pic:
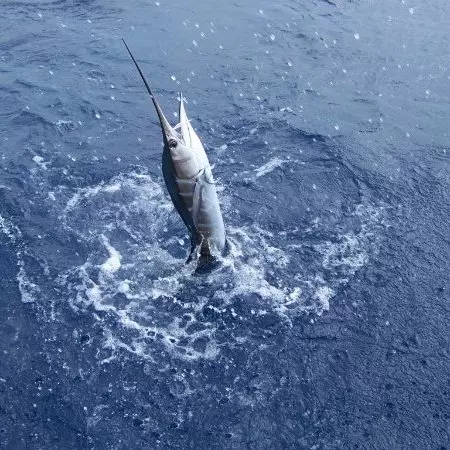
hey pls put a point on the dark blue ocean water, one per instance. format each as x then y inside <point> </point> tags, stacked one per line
<point>326,327</point>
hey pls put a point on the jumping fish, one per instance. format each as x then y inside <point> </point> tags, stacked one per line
<point>189,180</point>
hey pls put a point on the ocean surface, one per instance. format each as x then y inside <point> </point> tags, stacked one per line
<point>326,326</point>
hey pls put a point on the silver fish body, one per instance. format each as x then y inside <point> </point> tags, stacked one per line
<point>189,180</point>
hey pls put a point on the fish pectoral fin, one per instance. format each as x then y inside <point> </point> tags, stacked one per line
<point>197,197</point>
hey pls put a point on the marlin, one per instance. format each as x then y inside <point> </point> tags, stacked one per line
<point>190,183</point>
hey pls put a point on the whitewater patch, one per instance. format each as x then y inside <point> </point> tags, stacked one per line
<point>270,166</point>
<point>151,304</point>
<point>28,289</point>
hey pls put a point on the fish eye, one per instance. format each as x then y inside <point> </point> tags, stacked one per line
<point>173,143</point>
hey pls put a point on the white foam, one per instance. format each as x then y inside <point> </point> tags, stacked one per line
<point>39,160</point>
<point>156,304</point>
<point>324,294</point>
<point>9,229</point>
<point>270,166</point>
<point>28,290</point>
<point>112,264</point>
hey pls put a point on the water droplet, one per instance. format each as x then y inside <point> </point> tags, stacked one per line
<point>173,77</point>
<point>356,35</point>
<point>272,37</point>
<point>411,10</point>
<point>195,43</point>
<point>336,127</point>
